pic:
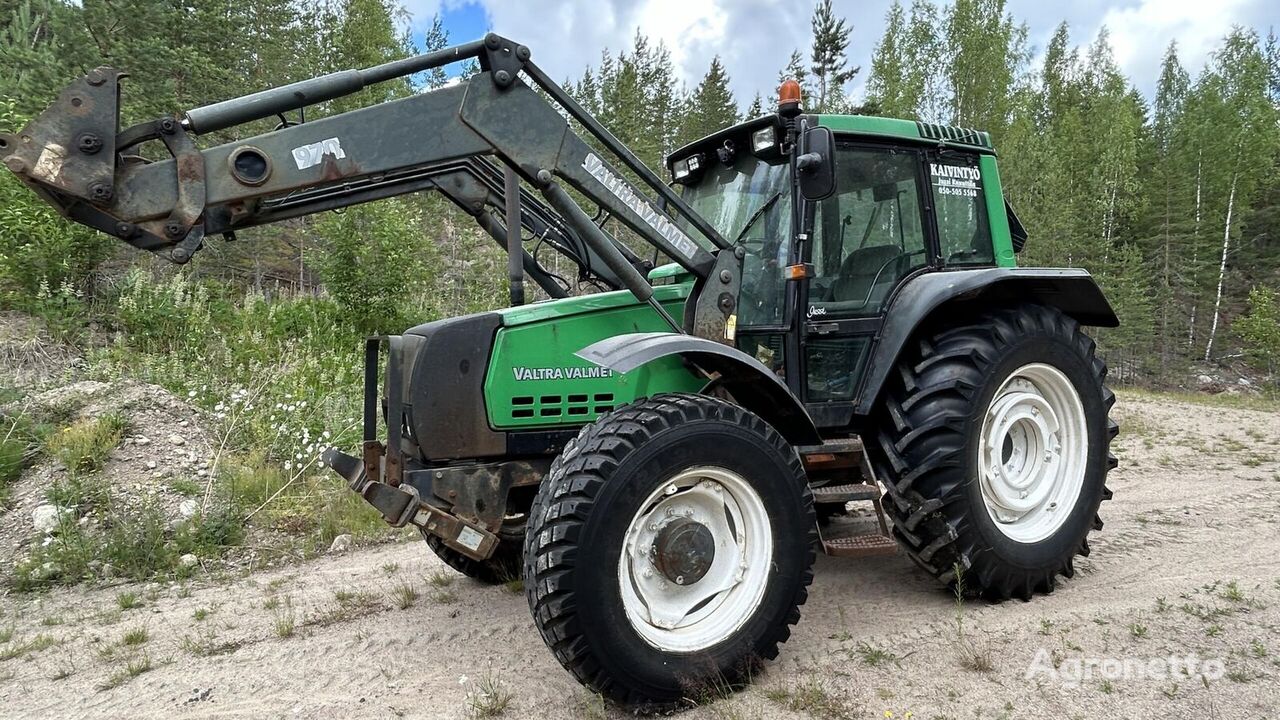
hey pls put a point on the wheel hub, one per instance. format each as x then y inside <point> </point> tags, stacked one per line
<point>695,560</point>
<point>1032,452</point>
<point>684,551</point>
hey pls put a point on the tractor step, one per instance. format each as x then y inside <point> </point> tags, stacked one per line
<point>850,492</point>
<point>862,545</point>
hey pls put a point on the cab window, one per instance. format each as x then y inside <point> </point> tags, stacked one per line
<point>869,234</point>
<point>964,235</point>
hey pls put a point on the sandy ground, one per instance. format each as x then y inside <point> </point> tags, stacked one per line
<point>1189,563</point>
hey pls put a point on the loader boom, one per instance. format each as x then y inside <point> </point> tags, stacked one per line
<point>462,140</point>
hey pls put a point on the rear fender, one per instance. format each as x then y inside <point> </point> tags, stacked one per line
<point>750,382</point>
<point>1072,290</point>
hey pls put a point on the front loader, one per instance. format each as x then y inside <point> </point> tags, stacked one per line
<point>842,320</point>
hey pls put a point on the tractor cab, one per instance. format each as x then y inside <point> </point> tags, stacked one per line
<point>820,272</point>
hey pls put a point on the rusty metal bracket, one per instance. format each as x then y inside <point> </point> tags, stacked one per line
<point>180,227</point>
<point>717,299</point>
<point>478,493</point>
<point>468,539</point>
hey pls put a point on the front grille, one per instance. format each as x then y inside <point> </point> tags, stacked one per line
<point>561,408</point>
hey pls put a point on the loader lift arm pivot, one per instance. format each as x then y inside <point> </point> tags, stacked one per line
<point>455,139</point>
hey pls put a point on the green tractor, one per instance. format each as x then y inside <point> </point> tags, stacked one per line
<point>839,319</point>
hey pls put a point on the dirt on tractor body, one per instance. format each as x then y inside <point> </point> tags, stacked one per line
<point>1187,570</point>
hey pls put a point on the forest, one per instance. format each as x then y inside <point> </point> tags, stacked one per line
<point>1170,200</point>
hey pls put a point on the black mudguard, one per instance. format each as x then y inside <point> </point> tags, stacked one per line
<point>750,382</point>
<point>1071,290</point>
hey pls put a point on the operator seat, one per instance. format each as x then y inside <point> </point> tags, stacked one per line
<point>867,275</point>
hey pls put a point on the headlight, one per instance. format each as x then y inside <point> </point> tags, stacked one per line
<point>683,169</point>
<point>763,139</point>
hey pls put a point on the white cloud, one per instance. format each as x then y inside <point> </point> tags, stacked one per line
<point>1140,33</point>
<point>752,37</point>
<point>755,37</point>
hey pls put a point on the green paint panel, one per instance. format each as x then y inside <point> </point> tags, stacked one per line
<point>535,380</point>
<point>909,130</point>
<point>868,125</point>
<point>573,306</point>
<point>1001,240</point>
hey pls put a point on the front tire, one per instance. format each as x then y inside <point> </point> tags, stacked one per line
<point>993,444</point>
<point>618,574</point>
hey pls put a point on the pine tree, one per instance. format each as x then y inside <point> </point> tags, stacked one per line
<point>830,58</point>
<point>795,69</point>
<point>1166,198</point>
<point>711,106</point>
<point>756,109</point>
<point>437,38</point>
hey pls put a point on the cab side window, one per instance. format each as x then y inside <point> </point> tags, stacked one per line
<point>964,234</point>
<point>869,234</point>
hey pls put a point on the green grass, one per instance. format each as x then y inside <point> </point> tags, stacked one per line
<point>812,698</point>
<point>874,656</point>
<point>136,636</point>
<point>84,445</point>
<point>405,595</point>
<point>1224,400</point>
<point>20,649</point>
<point>128,600</point>
<point>133,667</point>
<point>441,579</point>
<point>488,697</point>
<point>284,622</point>
<point>139,543</point>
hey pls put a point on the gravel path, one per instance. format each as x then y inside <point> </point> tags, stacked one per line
<point>1189,562</point>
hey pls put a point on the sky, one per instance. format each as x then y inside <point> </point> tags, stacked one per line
<point>754,38</point>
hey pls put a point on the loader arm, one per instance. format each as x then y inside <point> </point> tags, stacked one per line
<point>460,140</point>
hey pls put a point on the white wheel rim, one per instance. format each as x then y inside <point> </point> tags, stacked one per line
<point>673,614</point>
<point>1032,453</point>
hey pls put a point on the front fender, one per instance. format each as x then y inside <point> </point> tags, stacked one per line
<point>750,382</point>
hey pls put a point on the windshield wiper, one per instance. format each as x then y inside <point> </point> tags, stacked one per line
<point>756,216</point>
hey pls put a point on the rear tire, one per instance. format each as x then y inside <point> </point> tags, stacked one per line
<point>599,583</point>
<point>992,442</point>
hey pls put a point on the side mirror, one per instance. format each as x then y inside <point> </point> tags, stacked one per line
<point>817,166</point>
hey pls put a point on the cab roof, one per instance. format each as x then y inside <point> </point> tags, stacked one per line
<point>912,131</point>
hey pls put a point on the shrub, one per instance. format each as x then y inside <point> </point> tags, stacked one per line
<point>1260,328</point>
<point>84,445</point>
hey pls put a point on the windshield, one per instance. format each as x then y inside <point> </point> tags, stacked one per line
<point>729,195</point>
<point>749,202</point>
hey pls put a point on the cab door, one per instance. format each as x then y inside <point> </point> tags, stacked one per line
<point>868,237</point>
